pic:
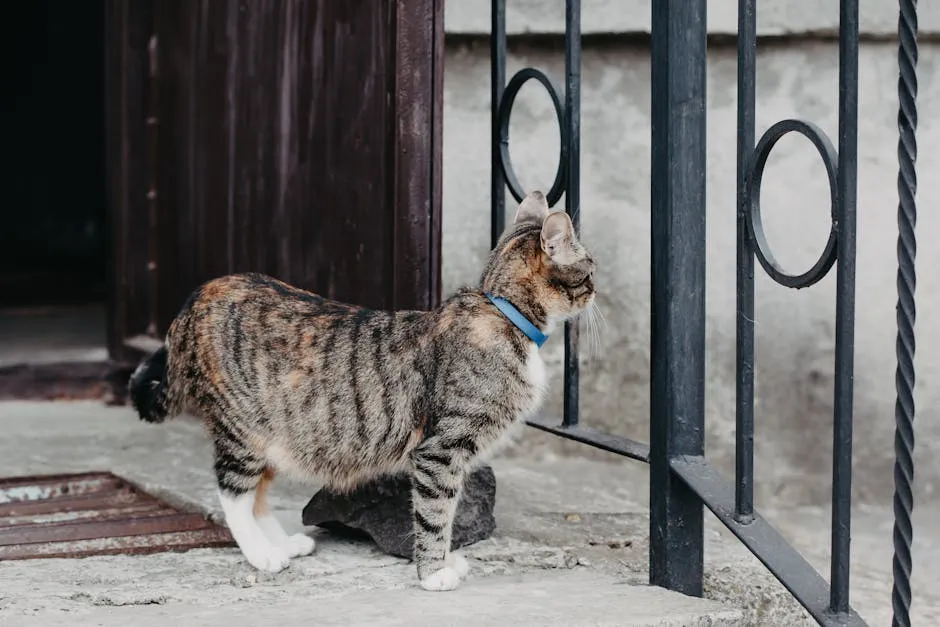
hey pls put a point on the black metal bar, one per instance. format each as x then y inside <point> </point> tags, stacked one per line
<point>845,307</point>
<point>497,84</point>
<point>764,541</point>
<point>906,313</point>
<point>677,394</point>
<point>572,190</point>
<point>744,392</point>
<point>592,437</point>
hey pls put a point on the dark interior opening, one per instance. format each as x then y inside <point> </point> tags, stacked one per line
<point>54,245</point>
<point>53,216</point>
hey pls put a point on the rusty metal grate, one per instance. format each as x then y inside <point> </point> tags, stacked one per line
<point>95,513</point>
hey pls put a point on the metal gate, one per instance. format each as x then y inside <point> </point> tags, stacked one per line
<point>681,480</point>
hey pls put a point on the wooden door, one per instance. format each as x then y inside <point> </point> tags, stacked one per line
<point>296,138</point>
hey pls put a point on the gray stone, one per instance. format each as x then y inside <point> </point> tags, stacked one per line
<point>382,511</point>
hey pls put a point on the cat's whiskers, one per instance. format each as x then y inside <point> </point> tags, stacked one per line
<point>600,326</point>
<point>593,321</point>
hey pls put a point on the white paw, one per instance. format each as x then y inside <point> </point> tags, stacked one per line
<point>271,559</point>
<point>299,544</point>
<point>458,563</point>
<point>443,579</point>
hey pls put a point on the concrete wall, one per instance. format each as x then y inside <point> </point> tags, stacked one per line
<point>797,77</point>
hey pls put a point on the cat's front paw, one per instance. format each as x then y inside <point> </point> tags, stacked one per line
<point>458,563</point>
<point>441,580</point>
<point>299,544</point>
<point>270,559</point>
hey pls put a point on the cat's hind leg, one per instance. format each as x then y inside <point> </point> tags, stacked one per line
<point>295,545</point>
<point>239,474</point>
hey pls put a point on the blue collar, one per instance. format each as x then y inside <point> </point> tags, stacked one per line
<point>517,318</point>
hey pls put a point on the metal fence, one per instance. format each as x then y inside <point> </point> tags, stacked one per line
<point>681,479</point>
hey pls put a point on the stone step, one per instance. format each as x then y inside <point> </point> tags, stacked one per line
<point>537,598</point>
<point>540,598</point>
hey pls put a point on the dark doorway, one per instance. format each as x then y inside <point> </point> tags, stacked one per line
<point>52,244</point>
<point>53,216</point>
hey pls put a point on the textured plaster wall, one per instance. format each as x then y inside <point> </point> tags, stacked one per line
<point>795,329</point>
<point>877,18</point>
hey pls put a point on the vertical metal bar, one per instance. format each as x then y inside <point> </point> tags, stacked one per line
<point>572,134</point>
<point>845,307</point>
<point>744,393</point>
<point>906,312</point>
<point>677,391</point>
<point>497,85</point>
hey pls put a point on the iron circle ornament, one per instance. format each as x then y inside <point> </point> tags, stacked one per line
<point>519,79</point>
<point>755,225</point>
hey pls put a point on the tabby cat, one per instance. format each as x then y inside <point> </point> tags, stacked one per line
<point>290,382</point>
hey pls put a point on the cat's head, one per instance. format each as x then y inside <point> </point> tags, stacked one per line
<point>539,265</point>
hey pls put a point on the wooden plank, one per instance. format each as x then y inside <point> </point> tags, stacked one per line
<point>418,117</point>
<point>127,26</point>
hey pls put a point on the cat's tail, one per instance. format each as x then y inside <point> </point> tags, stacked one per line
<point>149,387</point>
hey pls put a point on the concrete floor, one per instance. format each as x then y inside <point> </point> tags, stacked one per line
<point>43,335</point>
<point>570,548</point>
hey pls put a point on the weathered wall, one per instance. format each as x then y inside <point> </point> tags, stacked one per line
<point>774,17</point>
<point>797,77</point>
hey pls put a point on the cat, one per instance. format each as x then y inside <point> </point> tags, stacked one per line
<point>290,382</point>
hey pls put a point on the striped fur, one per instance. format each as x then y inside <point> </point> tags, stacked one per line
<point>290,382</point>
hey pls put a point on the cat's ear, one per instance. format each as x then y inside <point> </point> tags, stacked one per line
<point>558,237</point>
<point>533,208</point>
